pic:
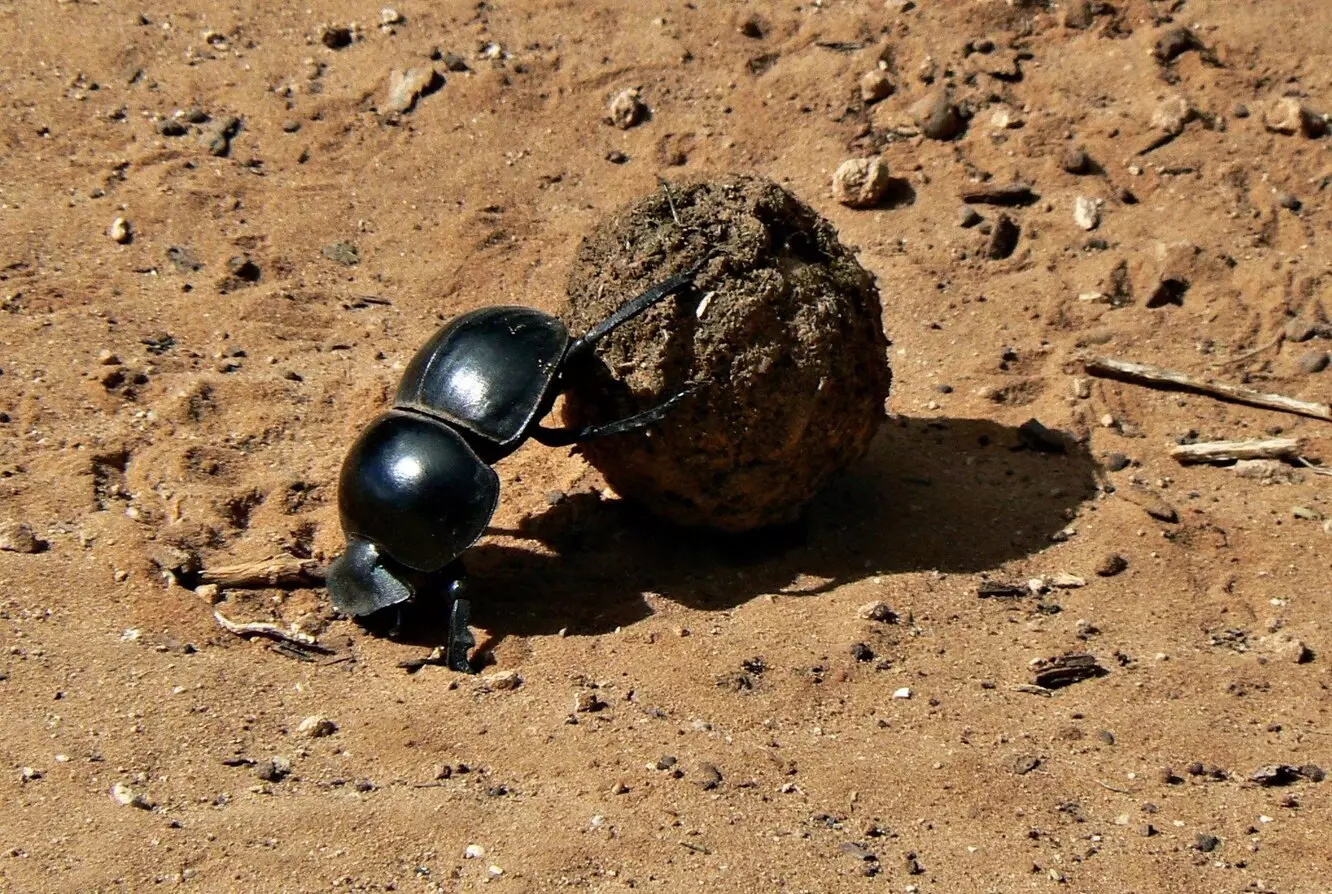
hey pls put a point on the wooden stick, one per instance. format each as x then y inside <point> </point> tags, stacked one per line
<point>278,571</point>
<point>1146,374</point>
<point>1229,451</point>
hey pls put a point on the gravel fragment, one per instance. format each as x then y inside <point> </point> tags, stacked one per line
<point>345,253</point>
<point>862,652</point>
<point>1087,212</point>
<point>709,777</point>
<point>120,231</point>
<point>861,182</point>
<point>1289,115</point>
<point>1117,462</point>
<point>587,701</point>
<point>1173,43</point>
<point>877,611</point>
<point>17,537</point>
<point>316,726</point>
<point>1299,329</point>
<point>626,108</point>
<point>1111,564</point>
<point>273,770</point>
<point>473,852</point>
<point>501,681</point>
<point>1172,114</point>
<point>1075,160</point>
<point>876,85</point>
<point>125,796</point>
<point>970,217</point>
<point>406,86</point>
<point>1003,238</point>
<point>216,137</point>
<point>1311,362</point>
<point>1206,843</point>
<point>937,116</point>
<point>1272,775</point>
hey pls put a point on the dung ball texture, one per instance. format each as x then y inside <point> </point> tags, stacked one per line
<point>781,339</point>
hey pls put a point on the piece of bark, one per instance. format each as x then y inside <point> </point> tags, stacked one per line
<point>1231,451</point>
<point>278,571</point>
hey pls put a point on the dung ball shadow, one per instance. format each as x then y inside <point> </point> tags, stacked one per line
<point>951,495</point>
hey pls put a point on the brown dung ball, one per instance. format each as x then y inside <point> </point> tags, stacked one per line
<point>782,336</point>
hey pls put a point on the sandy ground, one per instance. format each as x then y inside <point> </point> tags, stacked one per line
<point>161,400</point>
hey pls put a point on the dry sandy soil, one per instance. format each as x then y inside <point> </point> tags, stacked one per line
<point>163,402</point>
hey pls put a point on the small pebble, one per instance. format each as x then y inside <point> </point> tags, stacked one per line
<point>1087,212</point>
<point>120,231</point>
<point>389,17</point>
<point>862,652</point>
<point>626,108</point>
<point>1003,238</point>
<point>1116,462</point>
<point>587,701</point>
<point>937,116</point>
<point>877,611</point>
<point>1289,202</point>
<point>18,537</point>
<point>1111,564</point>
<point>474,852</point>
<point>216,137</point>
<point>406,86</point>
<point>709,777</point>
<point>316,726</point>
<point>1311,362</point>
<point>125,796</point>
<point>970,217</point>
<point>1172,114</point>
<point>501,681</point>
<point>876,85</point>
<point>210,593</point>
<point>1075,160</point>
<point>1288,115</point>
<point>904,692</point>
<point>1298,330</point>
<point>860,182</point>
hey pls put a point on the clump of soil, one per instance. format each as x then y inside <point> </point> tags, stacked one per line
<point>782,337</point>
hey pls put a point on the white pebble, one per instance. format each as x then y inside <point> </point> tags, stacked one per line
<point>1087,213</point>
<point>474,852</point>
<point>316,726</point>
<point>119,231</point>
<point>904,692</point>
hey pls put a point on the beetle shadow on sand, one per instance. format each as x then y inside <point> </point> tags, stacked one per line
<point>952,495</point>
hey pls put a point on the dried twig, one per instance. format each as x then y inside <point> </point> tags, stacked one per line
<point>1146,374</point>
<point>1230,451</point>
<point>1317,470</point>
<point>277,571</point>
<point>264,628</point>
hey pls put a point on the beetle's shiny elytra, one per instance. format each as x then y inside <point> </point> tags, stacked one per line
<point>417,488</point>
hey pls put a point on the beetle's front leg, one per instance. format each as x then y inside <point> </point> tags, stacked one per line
<point>461,641</point>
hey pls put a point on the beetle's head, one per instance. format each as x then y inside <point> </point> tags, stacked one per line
<point>363,581</point>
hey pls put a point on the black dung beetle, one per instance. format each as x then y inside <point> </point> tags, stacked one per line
<point>417,488</point>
